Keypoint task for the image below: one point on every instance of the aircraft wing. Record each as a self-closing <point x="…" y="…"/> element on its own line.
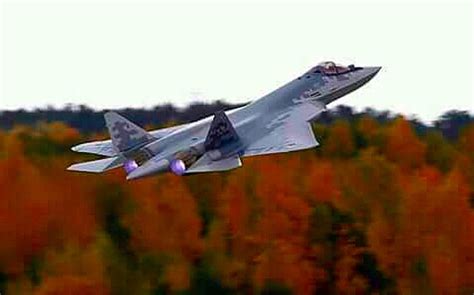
<point x="106" y="148"/>
<point x="165" y="131"/>
<point x="289" y="131"/>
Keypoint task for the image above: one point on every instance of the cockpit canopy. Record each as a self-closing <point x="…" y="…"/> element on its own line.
<point x="331" y="68"/>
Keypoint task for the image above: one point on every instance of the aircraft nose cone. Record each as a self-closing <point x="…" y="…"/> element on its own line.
<point x="372" y="71"/>
<point x="367" y="74"/>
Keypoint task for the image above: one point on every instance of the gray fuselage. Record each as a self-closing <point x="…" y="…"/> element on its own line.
<point x="252" y="120"/>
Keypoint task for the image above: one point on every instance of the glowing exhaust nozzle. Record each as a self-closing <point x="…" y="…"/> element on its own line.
<point x="130" y="165"/>
<point x="178" y="167"/>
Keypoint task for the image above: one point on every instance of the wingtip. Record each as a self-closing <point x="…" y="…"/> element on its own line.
<point x="71" y="167"/>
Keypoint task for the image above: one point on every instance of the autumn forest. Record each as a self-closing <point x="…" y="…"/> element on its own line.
<point x="384" y="206"/>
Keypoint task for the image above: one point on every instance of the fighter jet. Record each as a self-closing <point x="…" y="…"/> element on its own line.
<point x="279" y="122"/>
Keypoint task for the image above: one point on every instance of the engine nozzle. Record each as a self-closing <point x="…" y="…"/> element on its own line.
<point x="130" y="165"/>
<point x="178" y="167"/>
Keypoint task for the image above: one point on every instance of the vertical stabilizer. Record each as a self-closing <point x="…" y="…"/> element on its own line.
<point x="220" y="132"/>
<point x="125" y="135"/>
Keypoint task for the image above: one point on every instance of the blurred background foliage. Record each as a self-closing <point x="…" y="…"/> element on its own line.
<point x="384" y="205"/>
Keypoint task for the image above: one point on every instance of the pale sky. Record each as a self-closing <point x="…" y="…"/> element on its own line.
<point x="114" y="54"/>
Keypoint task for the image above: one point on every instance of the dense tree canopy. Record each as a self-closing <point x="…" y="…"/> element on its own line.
<point x="384" y="205"/>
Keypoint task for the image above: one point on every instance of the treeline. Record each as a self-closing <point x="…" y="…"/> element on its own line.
<point x="88" y="120"/>
<point x="384" y="206"/>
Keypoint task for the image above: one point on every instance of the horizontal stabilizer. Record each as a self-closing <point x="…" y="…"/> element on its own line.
<point x="205" y="164"/>
<point x="106" y="148"/>
<point x="103" y="148"/>
<point x="97" y="166"/>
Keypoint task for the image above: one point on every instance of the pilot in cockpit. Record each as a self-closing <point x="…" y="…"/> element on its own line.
<point x="331" y="68"/>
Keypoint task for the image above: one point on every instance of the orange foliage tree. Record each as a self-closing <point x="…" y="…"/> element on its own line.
<point x="377" y="209"/>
